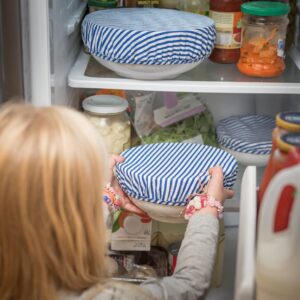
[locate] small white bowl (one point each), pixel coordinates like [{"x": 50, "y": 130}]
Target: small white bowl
[
  {"x": 147, "y": 72},
  {"x": 160, "y": 212},
  {"x": 247, "y": 159}
]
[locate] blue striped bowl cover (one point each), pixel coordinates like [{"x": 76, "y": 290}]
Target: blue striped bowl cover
[
  {"x": 148, "y": 36},
  {"x": 167, "y": 173},
  {"x": 250, "y": 134}
]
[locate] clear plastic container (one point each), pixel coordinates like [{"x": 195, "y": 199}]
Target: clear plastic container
[
  {"x": 108, "y": 114},
  {"x": 264, "y": 25}
]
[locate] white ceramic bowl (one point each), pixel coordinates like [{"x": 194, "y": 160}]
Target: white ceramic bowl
[
  {"x": 147, "y": 72},
  {"x": 160, "y": 212},
  {"x": 246, "y": 159}
]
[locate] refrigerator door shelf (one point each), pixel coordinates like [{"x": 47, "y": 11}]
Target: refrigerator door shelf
[{"x": 245, "y": 265}]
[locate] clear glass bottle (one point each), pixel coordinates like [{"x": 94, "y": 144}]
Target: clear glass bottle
[
  {"x": 108, "y": 114},
  {"x": 197, "y": 6},
  {"x": 171, "y": 4},
  {"x": 227, "y": 16}
]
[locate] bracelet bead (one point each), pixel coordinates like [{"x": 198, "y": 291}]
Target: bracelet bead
[{"x": 199, "y": 201}]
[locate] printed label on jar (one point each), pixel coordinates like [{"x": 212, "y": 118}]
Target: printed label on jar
[
  {"x": 280, "y": 47},
  {"x": 228, "y": 27}
]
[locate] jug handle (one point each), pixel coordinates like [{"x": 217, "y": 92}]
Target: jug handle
[{"x": 266, "y": 233}]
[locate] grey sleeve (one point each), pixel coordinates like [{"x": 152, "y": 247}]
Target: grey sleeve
[{"x": 195, "y": 262}]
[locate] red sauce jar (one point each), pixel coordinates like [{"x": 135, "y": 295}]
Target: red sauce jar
[{"x": 227, "y": 16}]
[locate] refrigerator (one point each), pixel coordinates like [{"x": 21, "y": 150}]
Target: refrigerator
[{"x": 42, "y": 61}]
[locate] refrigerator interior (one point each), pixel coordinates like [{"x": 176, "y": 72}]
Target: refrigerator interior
[{"x": 57, "y": 71}]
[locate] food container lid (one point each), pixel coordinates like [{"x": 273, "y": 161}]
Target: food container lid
[
  {"x": 106, "y": 4},
  {"x": 289, "y": 121},
  {"x": 250, "y": 134},
  {"x": 288, "y": 141},
  {"x": 168, "y": 173},
  {"x": 148, "y": 36},
  {"x": 265, "y": 8},
  {"x": 105, "y": 104}
]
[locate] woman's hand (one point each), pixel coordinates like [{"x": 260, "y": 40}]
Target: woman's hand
[
  {"x": 215, "y": 186},
  {"x": 125, "y": 201}
]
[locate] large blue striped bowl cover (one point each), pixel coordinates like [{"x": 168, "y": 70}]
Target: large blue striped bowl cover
[
  {"x": 250, "y": 134},
  {"x": 167, "y": 173},
  {"x": 148, "y": 36}
]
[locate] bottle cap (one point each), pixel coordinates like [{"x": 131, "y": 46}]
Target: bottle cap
[
  {"x": 290, "y": 121},
  {"x": 288, "y": 141},
  {"x": 104, "y": 4},
  {"x": 265, "y": 8},
  {"x": 105, "y": 104}
]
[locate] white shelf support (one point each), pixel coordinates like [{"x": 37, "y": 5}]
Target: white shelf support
[{"x": 39, "y": 52}]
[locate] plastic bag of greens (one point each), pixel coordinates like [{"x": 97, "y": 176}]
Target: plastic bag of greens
[{"x": 183, "y": 118}]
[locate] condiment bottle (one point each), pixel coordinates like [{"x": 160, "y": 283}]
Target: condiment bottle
[
  {"x": 264, "y": 26},
  {"x": 286, "y": 154},
  {"x": 108, "y": 114},
  {"x": 286, "y": 122},
  {"x": 227, "y": 16}
]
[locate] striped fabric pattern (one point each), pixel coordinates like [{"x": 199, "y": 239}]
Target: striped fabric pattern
[
  {"x": 250, "y": 134},
  {"x": 167, "y": 173},
  {"x": 148, "y": 36}
]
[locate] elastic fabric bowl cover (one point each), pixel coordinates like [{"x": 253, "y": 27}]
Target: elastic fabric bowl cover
[
  {"x": 168, "y": 173},
  {"x": 148, "y": 36}
]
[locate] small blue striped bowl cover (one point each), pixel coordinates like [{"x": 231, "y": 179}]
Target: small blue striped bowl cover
[
  {"x": 250, "y": 134},
  {"x": 167, "y": 173},
  {"x": 148, "y": 36}
]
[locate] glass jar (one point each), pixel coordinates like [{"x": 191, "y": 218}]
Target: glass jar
[
  {"x": 148, "y": 3},
  {"x": 227, "y": 16},
  {"x": 264, "y": 26},
  {"x": 171, "y": 4},
  {"x": 197, "y": 6},
  {"x": 108, "y": 114}
]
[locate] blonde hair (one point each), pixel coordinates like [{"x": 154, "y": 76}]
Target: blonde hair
[{"x": 51, "y": 221}]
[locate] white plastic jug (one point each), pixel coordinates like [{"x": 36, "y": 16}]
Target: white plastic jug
[{"x": 278, "y": 253}]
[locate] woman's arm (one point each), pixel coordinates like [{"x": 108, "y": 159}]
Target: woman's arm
[{"x": 197, "y": 252}]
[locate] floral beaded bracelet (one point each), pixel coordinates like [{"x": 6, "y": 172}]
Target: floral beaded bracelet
[
  {"x": 199, "y": 201},
  {"x": 111, "y": 197}
]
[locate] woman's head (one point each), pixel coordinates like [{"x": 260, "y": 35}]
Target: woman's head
[{"x": 52, "y": 170}]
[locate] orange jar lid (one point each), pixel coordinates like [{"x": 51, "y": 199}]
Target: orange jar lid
[
  {"x": 289, "y": 121},
  {"x": 288, "y": 141}
]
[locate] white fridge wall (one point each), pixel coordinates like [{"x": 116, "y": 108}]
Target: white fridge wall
[{"x": 65, "y": 42}]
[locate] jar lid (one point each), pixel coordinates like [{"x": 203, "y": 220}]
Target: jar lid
[
  {"x": 265, "y": 8},
  {"x": 105, "y": 104},
  {"x": 288, "y": 141},
  {"x": 108, "y": 3},
  {"x": 289, "y": 121}
]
